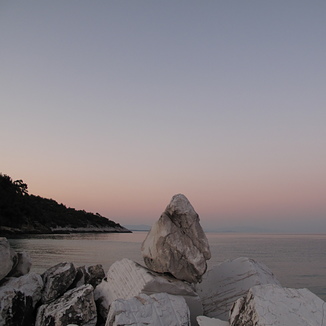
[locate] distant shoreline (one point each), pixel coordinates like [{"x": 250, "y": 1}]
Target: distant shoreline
[{"x": 17, "y": 233}]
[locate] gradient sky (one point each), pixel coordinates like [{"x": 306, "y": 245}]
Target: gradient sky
[{"x": 115, "y": 106}]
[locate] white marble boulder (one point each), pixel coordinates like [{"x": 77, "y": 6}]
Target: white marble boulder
[
  {"x": 126, "y": 279},
  {"x": 76, "y": 306},
  {"x": 23, "y": 265},
  {"x": 177, "y": 244},
  {"x": 57, "y": 279},
  {"x": 18, "y": 299},
  {"x": 207, "y": 321},
  {"x": 270, "y": 304},
  {"x": 8, "y": 258},
  {"x": 225, "y": 283},
  {"x": 153, "y": 310}
]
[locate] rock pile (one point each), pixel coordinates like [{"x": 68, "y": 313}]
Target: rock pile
[
  {"x": 175, "y": 253},
  {"x": 239, "y": 292},
  {"x": 62, "y": 295}
]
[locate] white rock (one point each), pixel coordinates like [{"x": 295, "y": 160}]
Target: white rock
[
  {"x": 103, "y": 299},
  {"x": 23, "y": 265},
  {"x": 8, "y": 258},
  {"x": 126, "y": 279},
  {"x": 76, "y": 306},
  {"x": 18, "y": 298},
  {"x": 206, "y": 321},
  {"x": 228, "y": 281},
  {"x": 57, "y": 280},
  {"x": 270, "y": 304},
  {"x": 176, "y": 243},
  {"x": 156, "y": 309}
]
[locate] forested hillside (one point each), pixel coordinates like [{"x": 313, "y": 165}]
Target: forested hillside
[{"x": 21, "y": 212}]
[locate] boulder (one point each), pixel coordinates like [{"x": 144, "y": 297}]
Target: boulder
[
  {"x": 103, "y": 300},
  {"x": 18, "y": 298},
  {"x": 94, "y": 275},
  {"x": 176, "y": 243},
  {"x": 270, "y": 304},
  {"x": 88, "y": 275},
  {"x": 76, "y": 306},
  {"x": 79, "y": 278},
  {"x": 206, "y": 321},
  {"x": 126, "y": 279},
  {"x": 57, "y": 279},
  {"x": 23, "y": 265},
  {"x": 228, "y": 281},
  {"x": 156, "y": 309},
  {"x": 8, "y": 258}
]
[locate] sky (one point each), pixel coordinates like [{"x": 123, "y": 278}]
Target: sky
[{"x": 115, "y": 106}]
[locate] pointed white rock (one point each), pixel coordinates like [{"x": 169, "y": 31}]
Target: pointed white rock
[
  {"x": 225, "y": 283},
  {"x": 156, "y": 309},
  {"x": 270, "y": 304},
  {"x": 126, "y": 279},
  {"x": 176, "y": 243}
]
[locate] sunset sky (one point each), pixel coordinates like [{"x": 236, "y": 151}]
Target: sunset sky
[{"x": 115, "y": 106}]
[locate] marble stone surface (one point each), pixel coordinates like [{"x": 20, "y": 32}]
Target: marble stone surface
[
  {"x": 23, "y": 266},
  {"x": 270, "y": 304},
  {"x": 76, "y": 306},
  {"x": 225, "y": 283},
  {"x": 18, "y": 299},
  {"x": 156, "y": 309},
  {"x": 8, "y": 257},
  {"x": 126, "y": 279},
  {"x": 176, "y": 243},
  {"x": 57, "y": 279},
  {"x": 207, "y": 321}
]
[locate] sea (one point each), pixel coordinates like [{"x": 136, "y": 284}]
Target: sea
[{"x": 298, "y": 261}]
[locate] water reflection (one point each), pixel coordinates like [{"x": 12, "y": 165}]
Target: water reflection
[{"x": 81, "y": 249}]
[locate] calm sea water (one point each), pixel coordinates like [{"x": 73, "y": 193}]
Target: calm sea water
[{"x": 298, "y": 261}]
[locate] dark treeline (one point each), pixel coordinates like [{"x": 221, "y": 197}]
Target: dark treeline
[{"x": 22, "y": 212}]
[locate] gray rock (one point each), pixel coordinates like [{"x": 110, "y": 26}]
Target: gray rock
[
  {"x": 176, "y": 243},
  {"x": 156, "y": 309},
  {"x": 270, "y": 304},
  {"x": 23, "y": 265},
  {"x": 18, "y": 298},
  {"x": 57, "y": 279},
  {"x": 88, "y": 275},
  {"x": 126, "y": 279},
  {"x": 94, "y": 275},
  {"x": 8, "y": 258},
  {"x": 76, "y": 306},
  {"x": 79, "y": 278},
  {"x": 228, "y": 281}
]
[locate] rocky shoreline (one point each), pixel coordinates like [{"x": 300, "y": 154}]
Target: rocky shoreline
[
  {"x": 15, "y": 232},
  {"x": 173, "y": 288}
]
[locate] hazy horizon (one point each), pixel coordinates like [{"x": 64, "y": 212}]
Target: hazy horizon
[{"x": 114, "y": 107}]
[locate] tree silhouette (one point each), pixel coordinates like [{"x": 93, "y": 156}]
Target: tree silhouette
[
  {"x": 30, "y": 213},
  {"x": 21, "y": 187}
]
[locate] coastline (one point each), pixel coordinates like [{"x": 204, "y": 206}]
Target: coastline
[{"x": 15, "y": 232}]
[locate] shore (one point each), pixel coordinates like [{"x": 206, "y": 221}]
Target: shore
[{"x": 15, "y": 232}]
